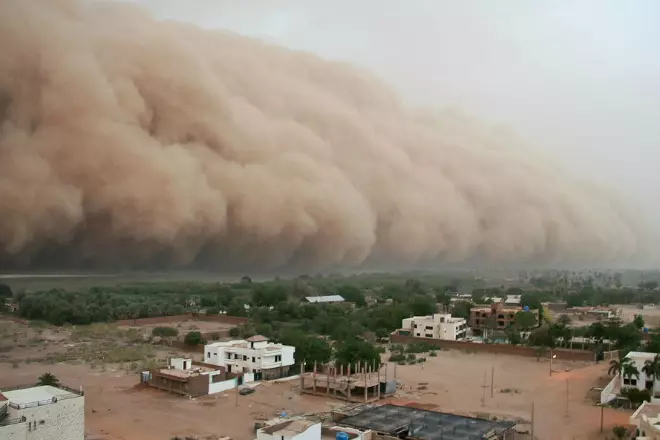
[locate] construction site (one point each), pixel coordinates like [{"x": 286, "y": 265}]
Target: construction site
[{"x": 356, "y": 383}]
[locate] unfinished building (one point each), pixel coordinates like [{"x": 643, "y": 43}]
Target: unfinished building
[
  {"x": 405, "y": 422},
  {"x": 357, "y": 383}
]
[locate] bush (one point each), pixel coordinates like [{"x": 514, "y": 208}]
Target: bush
[
  {"x": 420, "y": 347},
  {"x": 411, "y": 357},
  {"x": 433, "y": 354},
  {"x": 397, "y": 357},
  {"x": 164, "y": 332},
  {"x": 234, "y": 332},
  {"x": 194, "y": 338}
]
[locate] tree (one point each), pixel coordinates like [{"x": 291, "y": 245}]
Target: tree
[
  {"x": 194, "y": 338},
  {"x": 524, "y": 320},
  {"x": 246, "y": 280},
  {"x": 629, "y": 371},
  {"x": 5, "y": 292},
  {"x": 164, "y": 332},
  {"x": 616, "y": 366},
  {"x": 542, "y": 337},
  {"x": 652, "y": 369},
  {"x": 352, "y": 294},
  {"x": 422, "y": 305},
  {"x": 639, "y": 321},
  {"x": 48, "y": 379},
  {"x": 564, "y": 320},
  {"x": 461, "y": 309},
  {"x": 352, "y": 351},
  {"x": 620, "y": 432}
]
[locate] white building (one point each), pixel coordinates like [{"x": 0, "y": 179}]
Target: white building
[
  {"x": 254, "y": 355},
  {"x": 42, "y": 413},
  {"x": 647, "y": 420},
  {"x": 303, "y": 429},
  {"x": 325, "y": 299},
  {"x": 644, "y": 382},
  {"x": 437, "y": 326}
]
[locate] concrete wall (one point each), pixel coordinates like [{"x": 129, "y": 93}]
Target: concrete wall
[
  {"x": 224, "y": 385},
  {"x": 64, "y": 420},
  {"x": 518, "y": 350}
]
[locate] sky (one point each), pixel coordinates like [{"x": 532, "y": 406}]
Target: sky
[{"x": 580, "y": 79}]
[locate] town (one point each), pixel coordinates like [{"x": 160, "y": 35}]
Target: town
[{"x": 418, "y": 356}]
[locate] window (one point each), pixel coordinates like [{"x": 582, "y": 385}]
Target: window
[
  {"x": 428, "y": 335},
  {"x": 278, "y": 358},
  {"x": 415, "y": 326},
  {"x": 228, "y": 355},
  {"x": 208, "y": 355},
  {"x": 253, "y": 359},
  {"x": 429, "y": 327}
]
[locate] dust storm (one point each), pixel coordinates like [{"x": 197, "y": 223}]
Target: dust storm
[{"x": 130, "y": 141}]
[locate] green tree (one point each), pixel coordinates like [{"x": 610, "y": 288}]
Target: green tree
[
  {"x": 616, "y": 366},
  {"x": 422, "y": 305},
  {"x": 164, "y": 332},
  {"x": 194, "y": 338},
  {"x": 620, "y": 432},
  {"x": 461, "y": 309},
  {"x": 652, "y": 369},
  {"x": 639, "y": 321},
  {"x": 629, "y": 371},
  {"x": 352, "y": 351},
  {"x": 564, "y": 320},
  {"x": 524, "y": 320},
  {"x": 352, "y": 294},
  {"x": 5, "y": 292},
  {"x": 48, "y": 379}
]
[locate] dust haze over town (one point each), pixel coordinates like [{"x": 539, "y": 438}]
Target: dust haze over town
[{"x": 438, "y": 133}]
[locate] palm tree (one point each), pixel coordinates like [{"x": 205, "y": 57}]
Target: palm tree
[
  {"x": 652, "y": 370},
  {"x": 48, "y": 379},
  {"x": 616, "y": 366},
  {"x": 629, "y": 370}
]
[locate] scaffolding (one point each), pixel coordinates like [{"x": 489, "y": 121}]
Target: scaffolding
[{"x": 360, "y": 383}]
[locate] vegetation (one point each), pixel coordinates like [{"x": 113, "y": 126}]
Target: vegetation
[
  {"x": 620, "y": 432},
  {"x": 194, "y": 338},
  {"x": 165, "y": 332},
  {"x": 48, "y": 379}
]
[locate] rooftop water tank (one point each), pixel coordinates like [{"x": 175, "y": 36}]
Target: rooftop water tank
[{"x": 342, "y": 436}]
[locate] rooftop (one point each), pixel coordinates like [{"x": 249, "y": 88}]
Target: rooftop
[
  {"x": 641, "y": 355},
  {"x": 325, "y": 299},
  {"x": 423, "y": 424},
  {"x": 196, "y": 370},
  {"x": 26, "y": 396},
  {"x": 289, "y": 428},
  {"x": 257, "y": 338}
]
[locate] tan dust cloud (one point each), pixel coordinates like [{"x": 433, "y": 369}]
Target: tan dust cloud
[{"x": 132, "y": 141}]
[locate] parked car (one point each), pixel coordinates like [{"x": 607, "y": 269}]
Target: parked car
[{"x": 246, "y": 391}]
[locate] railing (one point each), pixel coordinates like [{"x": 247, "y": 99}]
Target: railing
[{"x": 74, "y": 393}]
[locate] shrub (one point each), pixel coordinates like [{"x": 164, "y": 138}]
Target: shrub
[
  {"x": 194, "y": 338},
  {"x": 164, "y": 332},
  {"x": 397, "y": 357},
  {"x": 234, "y": 332},
  {"x": 433, "y": 354}
]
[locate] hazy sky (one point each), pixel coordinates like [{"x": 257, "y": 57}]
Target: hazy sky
[{"x": 581, "y": 78}]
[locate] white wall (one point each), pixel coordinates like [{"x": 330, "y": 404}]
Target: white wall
[
  {"x": 249, "y": 359},
  {"x": 181, "y": 363},
  {"x": 219, "y": 387},
  {"x": 64, "y": 420},
  {"x": 311, "y": 433}
]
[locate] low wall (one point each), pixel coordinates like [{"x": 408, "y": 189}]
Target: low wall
[
  {"x": 225, "y": 319},
  {"x": 516, "y": 350}
]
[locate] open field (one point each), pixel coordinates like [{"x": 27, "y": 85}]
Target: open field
[{"x": 184, "y": 326}]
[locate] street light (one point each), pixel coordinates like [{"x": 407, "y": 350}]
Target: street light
[{"x": 552, "y": 356}]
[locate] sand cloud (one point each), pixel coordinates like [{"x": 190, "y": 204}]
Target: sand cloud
[{"x": 129, "y": 141}]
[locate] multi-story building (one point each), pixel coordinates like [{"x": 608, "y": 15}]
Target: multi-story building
[
  {"x": 437, "y": 326},
  {"x": 42, "y": 413},
  {"x": 480, "y": 317},
  {"x": 253, "y": 355},
  {"x": 642, "y": 382}
]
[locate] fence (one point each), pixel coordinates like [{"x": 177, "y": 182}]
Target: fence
[
  {"x": 517, "y": 350},
  {"x": 225, "y": 319}
]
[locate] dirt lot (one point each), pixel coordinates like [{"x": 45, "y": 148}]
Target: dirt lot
[
  {"x": 458, "y": 381},
  {"x": 105, "y": 361}
]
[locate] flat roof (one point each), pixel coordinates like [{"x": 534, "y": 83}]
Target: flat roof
[
  {"x": 328, "y": 298},
  {"x": 641, "y": 354},
  {"x": 424, "y": 424},
  {"x": 36, "y": 394}
]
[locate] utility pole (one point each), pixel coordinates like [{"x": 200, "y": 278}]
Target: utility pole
[
  {"x": 566, "y": 397},
  {"x": 483, "y": 394},
  {"x": 532, "y": 436},
  {"x": 492, "y": 380},
  {"x": 602, "y": 408}
]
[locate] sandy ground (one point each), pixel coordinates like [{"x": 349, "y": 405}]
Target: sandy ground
[
  {"x": 185, "y": 326},
  {"x": 118, "y": 409},
  {"x": 458, "y": 381}
]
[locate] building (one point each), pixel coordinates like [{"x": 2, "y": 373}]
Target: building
[
  {"x": 436, "y": 326},
  {"x": 356, "y": 383},
  {"x": 480, "y": 317},
  {"x": 308, "y": 429},
  {"x": 189, "y": 378},
  {"x": 513, "y": 300},
  {"x": 324, "y": 299},
  {"x": 42, "y": 413},
  {"x": 647, "y": 420},
  {"x": 643, "y": 382},
  {"x": 407, "y": 422},
  {"x": 596, "y": 313},
  {"x": 254, "y": 355}
]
